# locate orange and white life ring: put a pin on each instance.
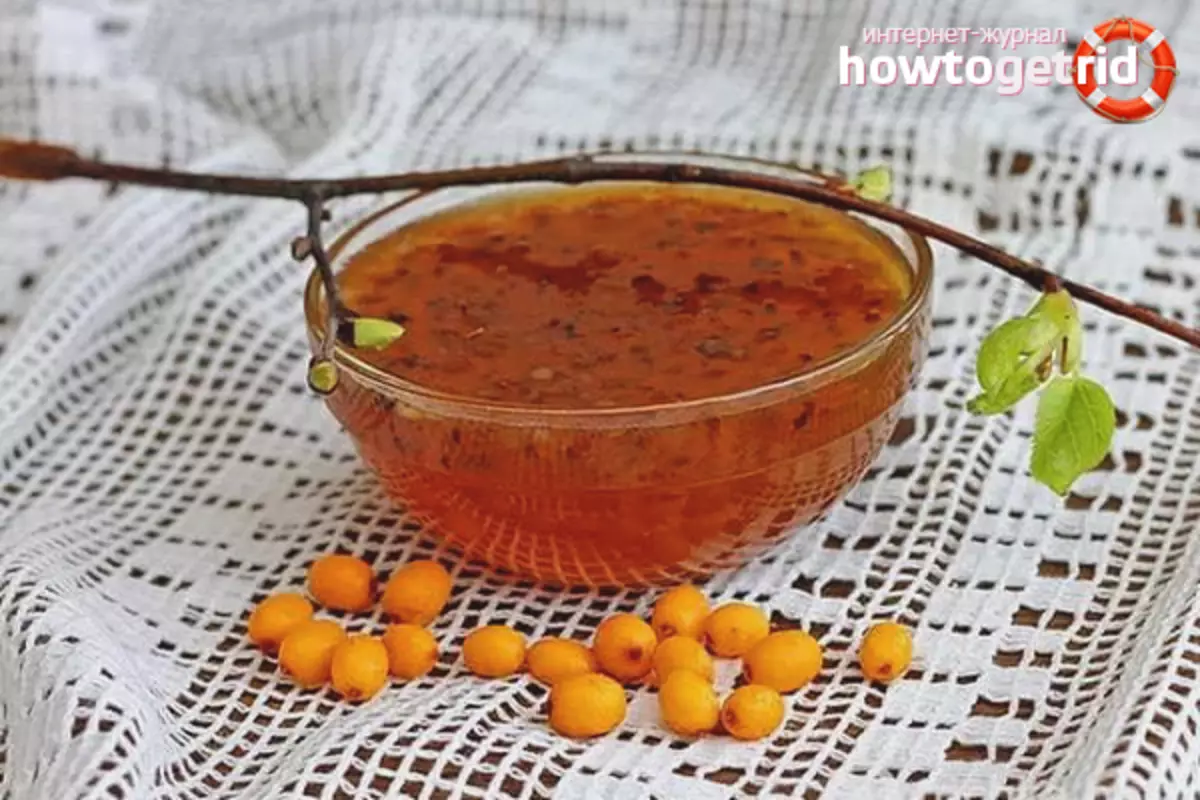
(1135, 109)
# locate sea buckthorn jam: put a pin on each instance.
(619, 296)
(662, 309)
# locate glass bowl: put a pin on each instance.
(627, 496)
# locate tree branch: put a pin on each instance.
(33, 161)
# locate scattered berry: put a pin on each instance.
(553, 659)
(341, 582)
(276, 617)
(680, 612)
(307, 652)
(681, 652)
(886, 652)
(784, 661)
(688, 703)
(624, 647)
(494, 651)
(752, 712)
(732, 629)
(586, 705)
(411, 650)
(417, 592)
(360, 667)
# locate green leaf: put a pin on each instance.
(1072, 351)
(874, 184)
(1076, 417)
(1018, 356)
(1014, 390)
(1007, 347)
(1057, 308)
(1009, 363)
(375, 334)
(1075, 423)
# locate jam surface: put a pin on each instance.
(617, 295)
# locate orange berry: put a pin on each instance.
(681, 652)
(624, 646)
(494, 651)
(752, 712)
(553, 659)
(886, 652)
(307, 652)
(341, 582)
(734, 628)
(785, 661)
(412, 650)
(276, 617)
(360, 667)
(417, 592)
(688, 703)
(586, 705)
(680, 612)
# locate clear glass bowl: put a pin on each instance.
(627, 496)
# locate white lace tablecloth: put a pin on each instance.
(161, 463)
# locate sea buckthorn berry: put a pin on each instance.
(494, 651)
(680, 612)
(417, 592)
(307, 652)
(587, 705)
(412, 651)
(785, 661)
(732, 629)
(752, 712)
(624, 647)
(551, 660)
(360, 667)
(681, 652)
(276, 617)
(886, 652)
(688, 703)
(341, 582)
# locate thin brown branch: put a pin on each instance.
(313, 246)
(41, 162)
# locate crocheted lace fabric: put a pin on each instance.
(162, 464)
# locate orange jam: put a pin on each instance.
(629, 313)
(618, 296)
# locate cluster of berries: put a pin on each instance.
(674, 651)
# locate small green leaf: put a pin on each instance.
(874, 184)
(1009, 365)
(1075, 418)
(1072, 351)
(1075, 423)
(1007, 347)
(322, 376)
(1015, 389)
(1057, 308)
(374, 334)
(1018, 356)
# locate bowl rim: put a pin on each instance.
(814, 376)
